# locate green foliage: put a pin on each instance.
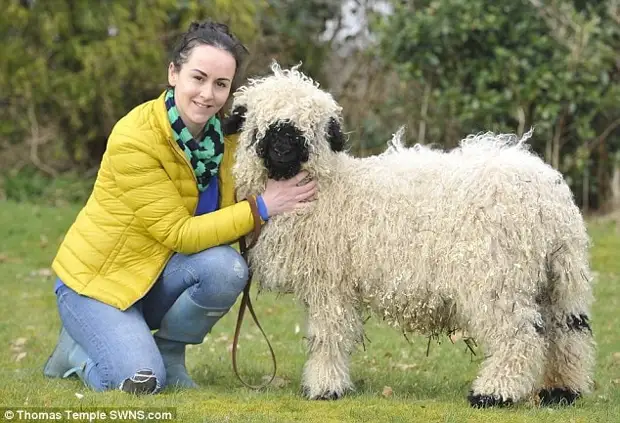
(487, 61)
(30, 185)
(76, 67)
(70, 69)
(506, 66)
(293, 32)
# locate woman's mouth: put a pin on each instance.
(201, 105)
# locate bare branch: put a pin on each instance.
(572, 34)
(601, 138)
(613, 10)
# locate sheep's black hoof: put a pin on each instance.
(324, 396)
(329, 396)
(557, 396)
(486, 401)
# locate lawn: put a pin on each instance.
(398, 380)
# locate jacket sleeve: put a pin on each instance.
(149, 192)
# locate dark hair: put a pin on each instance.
(213, 34)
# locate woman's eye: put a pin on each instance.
(198, 78)
(221, 84)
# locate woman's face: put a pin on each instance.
(202, 85)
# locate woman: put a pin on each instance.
(149, 251)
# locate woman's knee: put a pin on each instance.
(223, 275)
(147, 376)
(133, 371)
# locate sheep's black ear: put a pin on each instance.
(232, 123)
(335, 136)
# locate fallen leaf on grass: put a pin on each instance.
(43, 241)
(616, 381)
(44, 272)
(387, 392)
(456, 336)
(17, 347)
(18, 344)
(4, 258)
(221, 338)
(79, 396)
(277, 382)
(403, 366)
(616, 356)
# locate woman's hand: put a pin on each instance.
(288, 195)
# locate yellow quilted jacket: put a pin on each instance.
(141, 211)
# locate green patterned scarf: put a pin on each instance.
(205, 155)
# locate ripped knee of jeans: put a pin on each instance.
(240, 269)
(142, 382)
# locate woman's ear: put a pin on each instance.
(173, 75)
(232, 123)
(335, 136)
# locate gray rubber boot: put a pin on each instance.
(185, 323)
(68, 358)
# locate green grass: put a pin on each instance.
(425, 389)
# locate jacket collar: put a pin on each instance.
(161, 116)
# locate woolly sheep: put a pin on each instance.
(485, 239)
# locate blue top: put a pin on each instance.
(209, 198)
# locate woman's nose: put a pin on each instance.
(207, 92)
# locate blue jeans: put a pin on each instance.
(119, 344)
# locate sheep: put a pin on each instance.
(485, 239)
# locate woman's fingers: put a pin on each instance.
(306, 187)
(299, 178)
(304, 192)
(305, 197)
(290, 194)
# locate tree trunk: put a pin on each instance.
(614, 200)
(585, 190)
(602, 177)
(557, 141)
(424, 114)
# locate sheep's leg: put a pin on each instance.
(515, 345)
(565, 305)
(333, 330)
(570, 358)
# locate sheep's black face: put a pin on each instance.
(283, 150)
